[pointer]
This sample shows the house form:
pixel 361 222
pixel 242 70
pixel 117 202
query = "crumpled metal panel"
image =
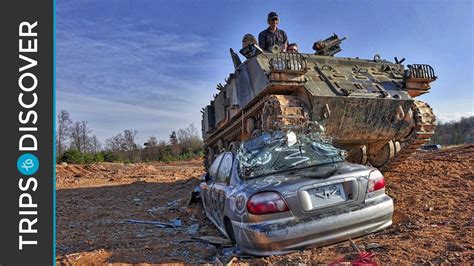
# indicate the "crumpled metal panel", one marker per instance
pixel 279 151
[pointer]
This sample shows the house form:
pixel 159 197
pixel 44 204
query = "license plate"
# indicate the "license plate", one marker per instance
pixel 327 195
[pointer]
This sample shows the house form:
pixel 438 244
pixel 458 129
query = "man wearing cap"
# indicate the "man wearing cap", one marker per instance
pixel 272 35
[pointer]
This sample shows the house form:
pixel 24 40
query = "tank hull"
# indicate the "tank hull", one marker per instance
pixel 365 106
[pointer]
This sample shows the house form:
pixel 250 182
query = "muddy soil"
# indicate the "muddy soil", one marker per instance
pixel 433 220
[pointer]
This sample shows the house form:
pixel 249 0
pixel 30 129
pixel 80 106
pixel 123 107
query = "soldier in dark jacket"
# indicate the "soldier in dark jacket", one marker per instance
pixel 272 35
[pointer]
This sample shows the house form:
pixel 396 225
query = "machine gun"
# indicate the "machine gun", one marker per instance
pixel 329 46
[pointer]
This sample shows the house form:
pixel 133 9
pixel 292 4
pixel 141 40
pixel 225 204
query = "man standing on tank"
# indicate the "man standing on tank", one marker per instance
pixel 273 35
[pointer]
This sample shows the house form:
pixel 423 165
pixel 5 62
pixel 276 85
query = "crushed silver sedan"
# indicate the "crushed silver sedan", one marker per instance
pixel 281 192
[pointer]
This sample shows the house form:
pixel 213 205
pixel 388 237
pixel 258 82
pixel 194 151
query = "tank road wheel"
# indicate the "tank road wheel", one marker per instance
pixel 250 125
pixel 283 110
pixel 381 156
pixel 424 123
pixel 397 145
pixel 255 133
pixel 358 155
pixel 270 114
pixel 220 145
pixel 233 146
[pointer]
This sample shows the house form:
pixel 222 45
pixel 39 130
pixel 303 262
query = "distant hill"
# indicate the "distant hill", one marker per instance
pixel 454 133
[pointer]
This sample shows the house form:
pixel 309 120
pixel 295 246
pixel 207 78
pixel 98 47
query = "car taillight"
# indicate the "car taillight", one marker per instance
pixel 265 203
pixel 376 181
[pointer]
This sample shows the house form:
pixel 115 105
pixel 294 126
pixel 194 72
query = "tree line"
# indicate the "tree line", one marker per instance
pixel 75 143
pixel 454 133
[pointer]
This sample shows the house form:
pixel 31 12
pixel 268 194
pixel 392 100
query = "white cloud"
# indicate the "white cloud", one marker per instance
pixel 122 74
pixel 107 118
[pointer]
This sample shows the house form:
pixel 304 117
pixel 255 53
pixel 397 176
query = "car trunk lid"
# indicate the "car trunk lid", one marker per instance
pixel 319 189
pixel 346 186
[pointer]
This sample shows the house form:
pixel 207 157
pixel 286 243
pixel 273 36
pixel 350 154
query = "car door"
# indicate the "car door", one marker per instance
pixel 206 187
pixel 220 187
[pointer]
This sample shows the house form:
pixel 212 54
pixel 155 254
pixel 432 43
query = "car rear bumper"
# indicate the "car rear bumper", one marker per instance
pixel 290 234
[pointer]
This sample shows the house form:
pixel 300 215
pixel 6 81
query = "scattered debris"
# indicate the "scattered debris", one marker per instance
pixel 195 195
pixel 174 203
pixel 177 222
pixel 193 229
pixel 225 261
pixel 364 258
pixel 374 246
pixel 158 210
pixel 227 256
pixel 174 224
pixel 214 240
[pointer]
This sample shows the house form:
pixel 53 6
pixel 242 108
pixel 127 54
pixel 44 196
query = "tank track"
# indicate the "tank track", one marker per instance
pixel 424 128
pixel 281 111
pixel 235 126
pixel 289 111
pixel 231 131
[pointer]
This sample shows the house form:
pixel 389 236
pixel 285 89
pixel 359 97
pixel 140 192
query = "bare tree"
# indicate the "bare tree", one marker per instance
pixel 162 143
pixel 124 145
pixel 152 142
pixel 63 131
pixel 151 148
pixel 80 138
pixel 454 132
pixel 129 139
pixel 96 146
pixel 85 137
pixel 175 148
pixel 189 138
pixel 130 146
pixel 173 138
pixel 115 143
pixel 75 136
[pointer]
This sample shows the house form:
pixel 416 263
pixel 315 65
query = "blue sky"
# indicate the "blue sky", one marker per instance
pixel 152 65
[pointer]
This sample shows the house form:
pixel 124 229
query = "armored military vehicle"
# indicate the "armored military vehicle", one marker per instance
pixel 366 107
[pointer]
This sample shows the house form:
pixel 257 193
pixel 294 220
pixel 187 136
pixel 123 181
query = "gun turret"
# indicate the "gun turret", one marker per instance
pixel 329 46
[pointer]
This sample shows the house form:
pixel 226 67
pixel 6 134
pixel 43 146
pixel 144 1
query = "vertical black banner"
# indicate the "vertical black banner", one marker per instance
pixel 26 100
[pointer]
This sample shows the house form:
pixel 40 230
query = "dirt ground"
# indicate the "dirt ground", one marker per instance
pixel 433 220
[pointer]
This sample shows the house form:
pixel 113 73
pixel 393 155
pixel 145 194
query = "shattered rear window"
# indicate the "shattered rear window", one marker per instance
pixel 281 151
